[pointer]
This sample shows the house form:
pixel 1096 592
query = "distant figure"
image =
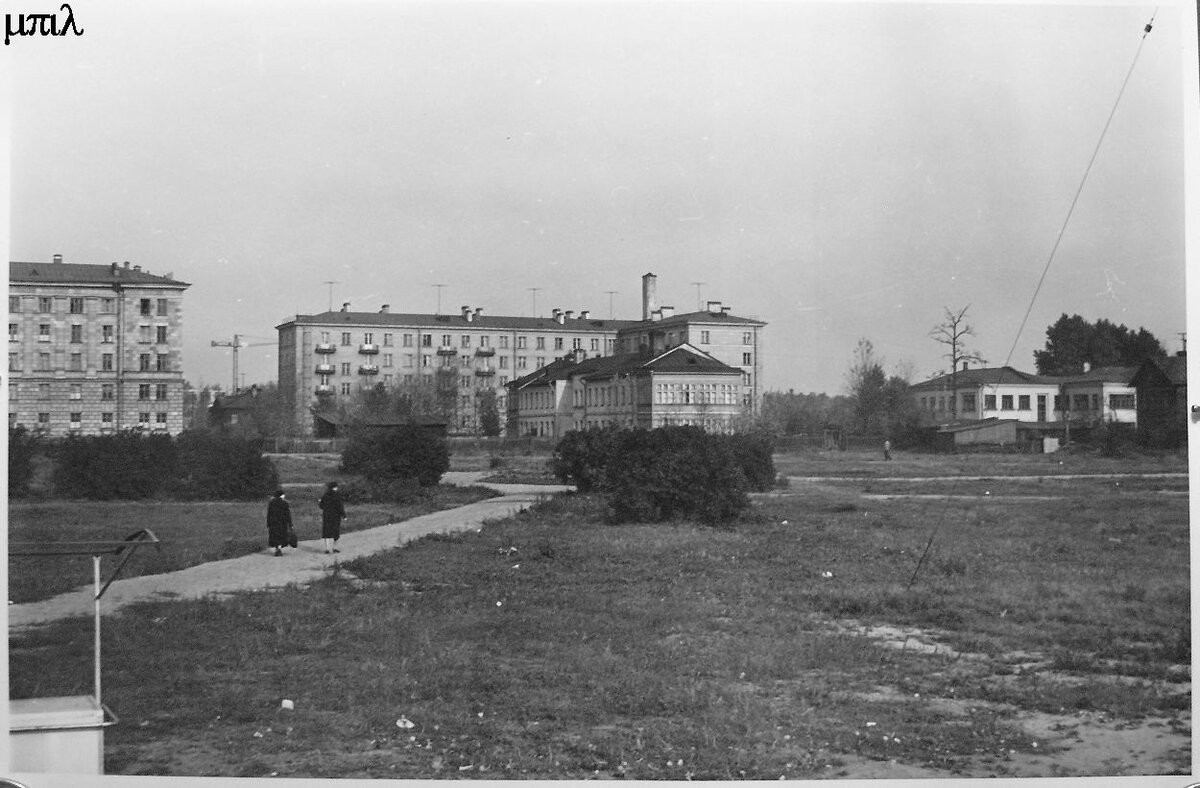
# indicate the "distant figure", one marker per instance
pixel 279 522
pixel 333 511
pixel 887 450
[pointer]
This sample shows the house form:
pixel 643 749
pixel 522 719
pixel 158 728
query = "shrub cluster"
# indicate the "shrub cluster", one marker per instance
pixel 382 491
pixel 23 446
pixel 405 452
pixel 669 472
pixel 197 465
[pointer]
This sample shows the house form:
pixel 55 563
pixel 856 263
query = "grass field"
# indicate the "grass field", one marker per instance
pixel 551 645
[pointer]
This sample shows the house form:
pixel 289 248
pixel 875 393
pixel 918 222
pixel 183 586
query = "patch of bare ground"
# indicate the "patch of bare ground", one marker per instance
pixel 1059 744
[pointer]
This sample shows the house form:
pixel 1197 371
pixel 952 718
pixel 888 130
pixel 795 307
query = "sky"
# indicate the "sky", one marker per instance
pixel 841 171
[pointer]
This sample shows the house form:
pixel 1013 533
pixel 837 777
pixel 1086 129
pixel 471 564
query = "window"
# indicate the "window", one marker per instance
pixel 76 420
pixel 595 344
pixel 346 368
pixel 45 304
pixel 1006 402
pixel 968 403
pixel 144 334
pixel 1095 402
pixel 465 383
pixel 160 335
pixel 13 390
pixel 577 344
pixel 704 340
pixel 466 340
pixel 144 362
pixel 106 335
pixel 143 391
pixel 368 338
pixel 107 391
pixel 345 388
pixel 426 359
pixel 521 362
pixel 106 362
pixel 162 307
pixel 345 338
pixel 14 303
pixel 408 340
pixel 43 420
pixel 541 343
pixel 504 343
pixel 747 359
pixel 447 361
pixel 108 306
pixel 14 332
pixel 1121 401
pixel 145 306
pixel 1079 402
pixel 387 359
pixel 160 420
pixel 408 360
pixel 43 332
pixel 748 338
pixel 75 305
pixel 76 334
pixel 76 362
pixel 160 391
pixel 466 361
pixel 427 340
pixel 43 391
pixel 445 340
pixel 504 362
pixel 387 340
pixel 162 362
pixel 484 341
pixel 520 343
pixel 43 362
pixel 541 362
pixel 144 419
pixel 106 420
pixel 989 402
pixel 1023 402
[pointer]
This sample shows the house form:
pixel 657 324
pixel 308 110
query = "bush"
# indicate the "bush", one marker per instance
pixel 752 451
pixel 659 474
pixel 221 466
pixel 23 446
pixel 127 465
pixel 382 491
pixel 406 452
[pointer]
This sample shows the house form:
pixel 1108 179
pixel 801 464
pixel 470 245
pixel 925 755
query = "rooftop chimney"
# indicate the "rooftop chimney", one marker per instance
pixel 570 313
pixel 714 306
pixel 58 258
pixel 964 369
pixel 478 311
pixel 656 315
pixel 127 264
pixel 725 310
pixel 584 314
pixel 346 306
pixel 115 270
pixel 666 311
pixel 137 268
pixel 1087 367
pixel 558 315
pixel 649 288
pixel 383 310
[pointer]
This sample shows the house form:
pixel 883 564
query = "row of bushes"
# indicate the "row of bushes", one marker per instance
pixel 668 472
pixel 396 454
pixel 196 465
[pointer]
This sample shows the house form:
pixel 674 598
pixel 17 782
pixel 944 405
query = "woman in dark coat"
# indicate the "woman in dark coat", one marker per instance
pixel 279 522
pixel 333 511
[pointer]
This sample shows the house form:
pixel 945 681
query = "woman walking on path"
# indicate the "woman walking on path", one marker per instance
pixel 333 511
pixel 279 522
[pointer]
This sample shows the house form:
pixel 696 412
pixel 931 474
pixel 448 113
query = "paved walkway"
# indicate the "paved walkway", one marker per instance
pixel 307 563
pixel 998 477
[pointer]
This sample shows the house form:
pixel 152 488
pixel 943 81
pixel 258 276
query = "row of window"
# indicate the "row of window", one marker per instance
pixel 696 394
pixel 106 421
pixel 466 382
pixel 77 305
pixel 147 334
pixel 108 391
pixel 427 360
pixel 465 341
pixel 147 362
pixel 1078 402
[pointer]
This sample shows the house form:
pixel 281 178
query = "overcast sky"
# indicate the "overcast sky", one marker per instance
pixel 837 170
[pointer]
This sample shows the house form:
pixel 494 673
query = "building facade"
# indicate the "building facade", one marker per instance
pixel 1162 409
pixel 735 341
pixel 679 386
pixel 94 349
pixel 328 358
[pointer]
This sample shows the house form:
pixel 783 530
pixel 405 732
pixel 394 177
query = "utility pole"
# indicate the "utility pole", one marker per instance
pixel 534 291
pixel 610 307
pixel 439 298
pixel 235 344
pixel 699 303
pixel 1183 339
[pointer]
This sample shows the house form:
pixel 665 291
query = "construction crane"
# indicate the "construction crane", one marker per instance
pixel 236 343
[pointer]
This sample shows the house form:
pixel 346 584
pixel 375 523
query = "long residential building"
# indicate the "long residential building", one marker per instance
pixel 94 349
pixel 326 358
pixel 679 386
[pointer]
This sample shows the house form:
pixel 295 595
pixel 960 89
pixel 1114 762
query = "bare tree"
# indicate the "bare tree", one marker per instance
pixel 952 334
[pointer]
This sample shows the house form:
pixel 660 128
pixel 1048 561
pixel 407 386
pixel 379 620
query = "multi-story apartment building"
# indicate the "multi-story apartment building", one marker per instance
pixel 735 341
pixel 328 357
pixel 679 386
pixel 93 349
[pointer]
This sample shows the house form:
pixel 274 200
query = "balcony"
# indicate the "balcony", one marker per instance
pixel 368 369
pixel 324 391
pixel 485 372
pixel 368 349
pixel 326 369
pixel 326 347
pixel 485 351
pixel 447 350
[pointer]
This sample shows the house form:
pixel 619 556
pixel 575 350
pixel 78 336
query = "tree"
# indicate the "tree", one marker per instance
pixel 1072 342
pixel 865 382
pixel 952 334
pixel 489 413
